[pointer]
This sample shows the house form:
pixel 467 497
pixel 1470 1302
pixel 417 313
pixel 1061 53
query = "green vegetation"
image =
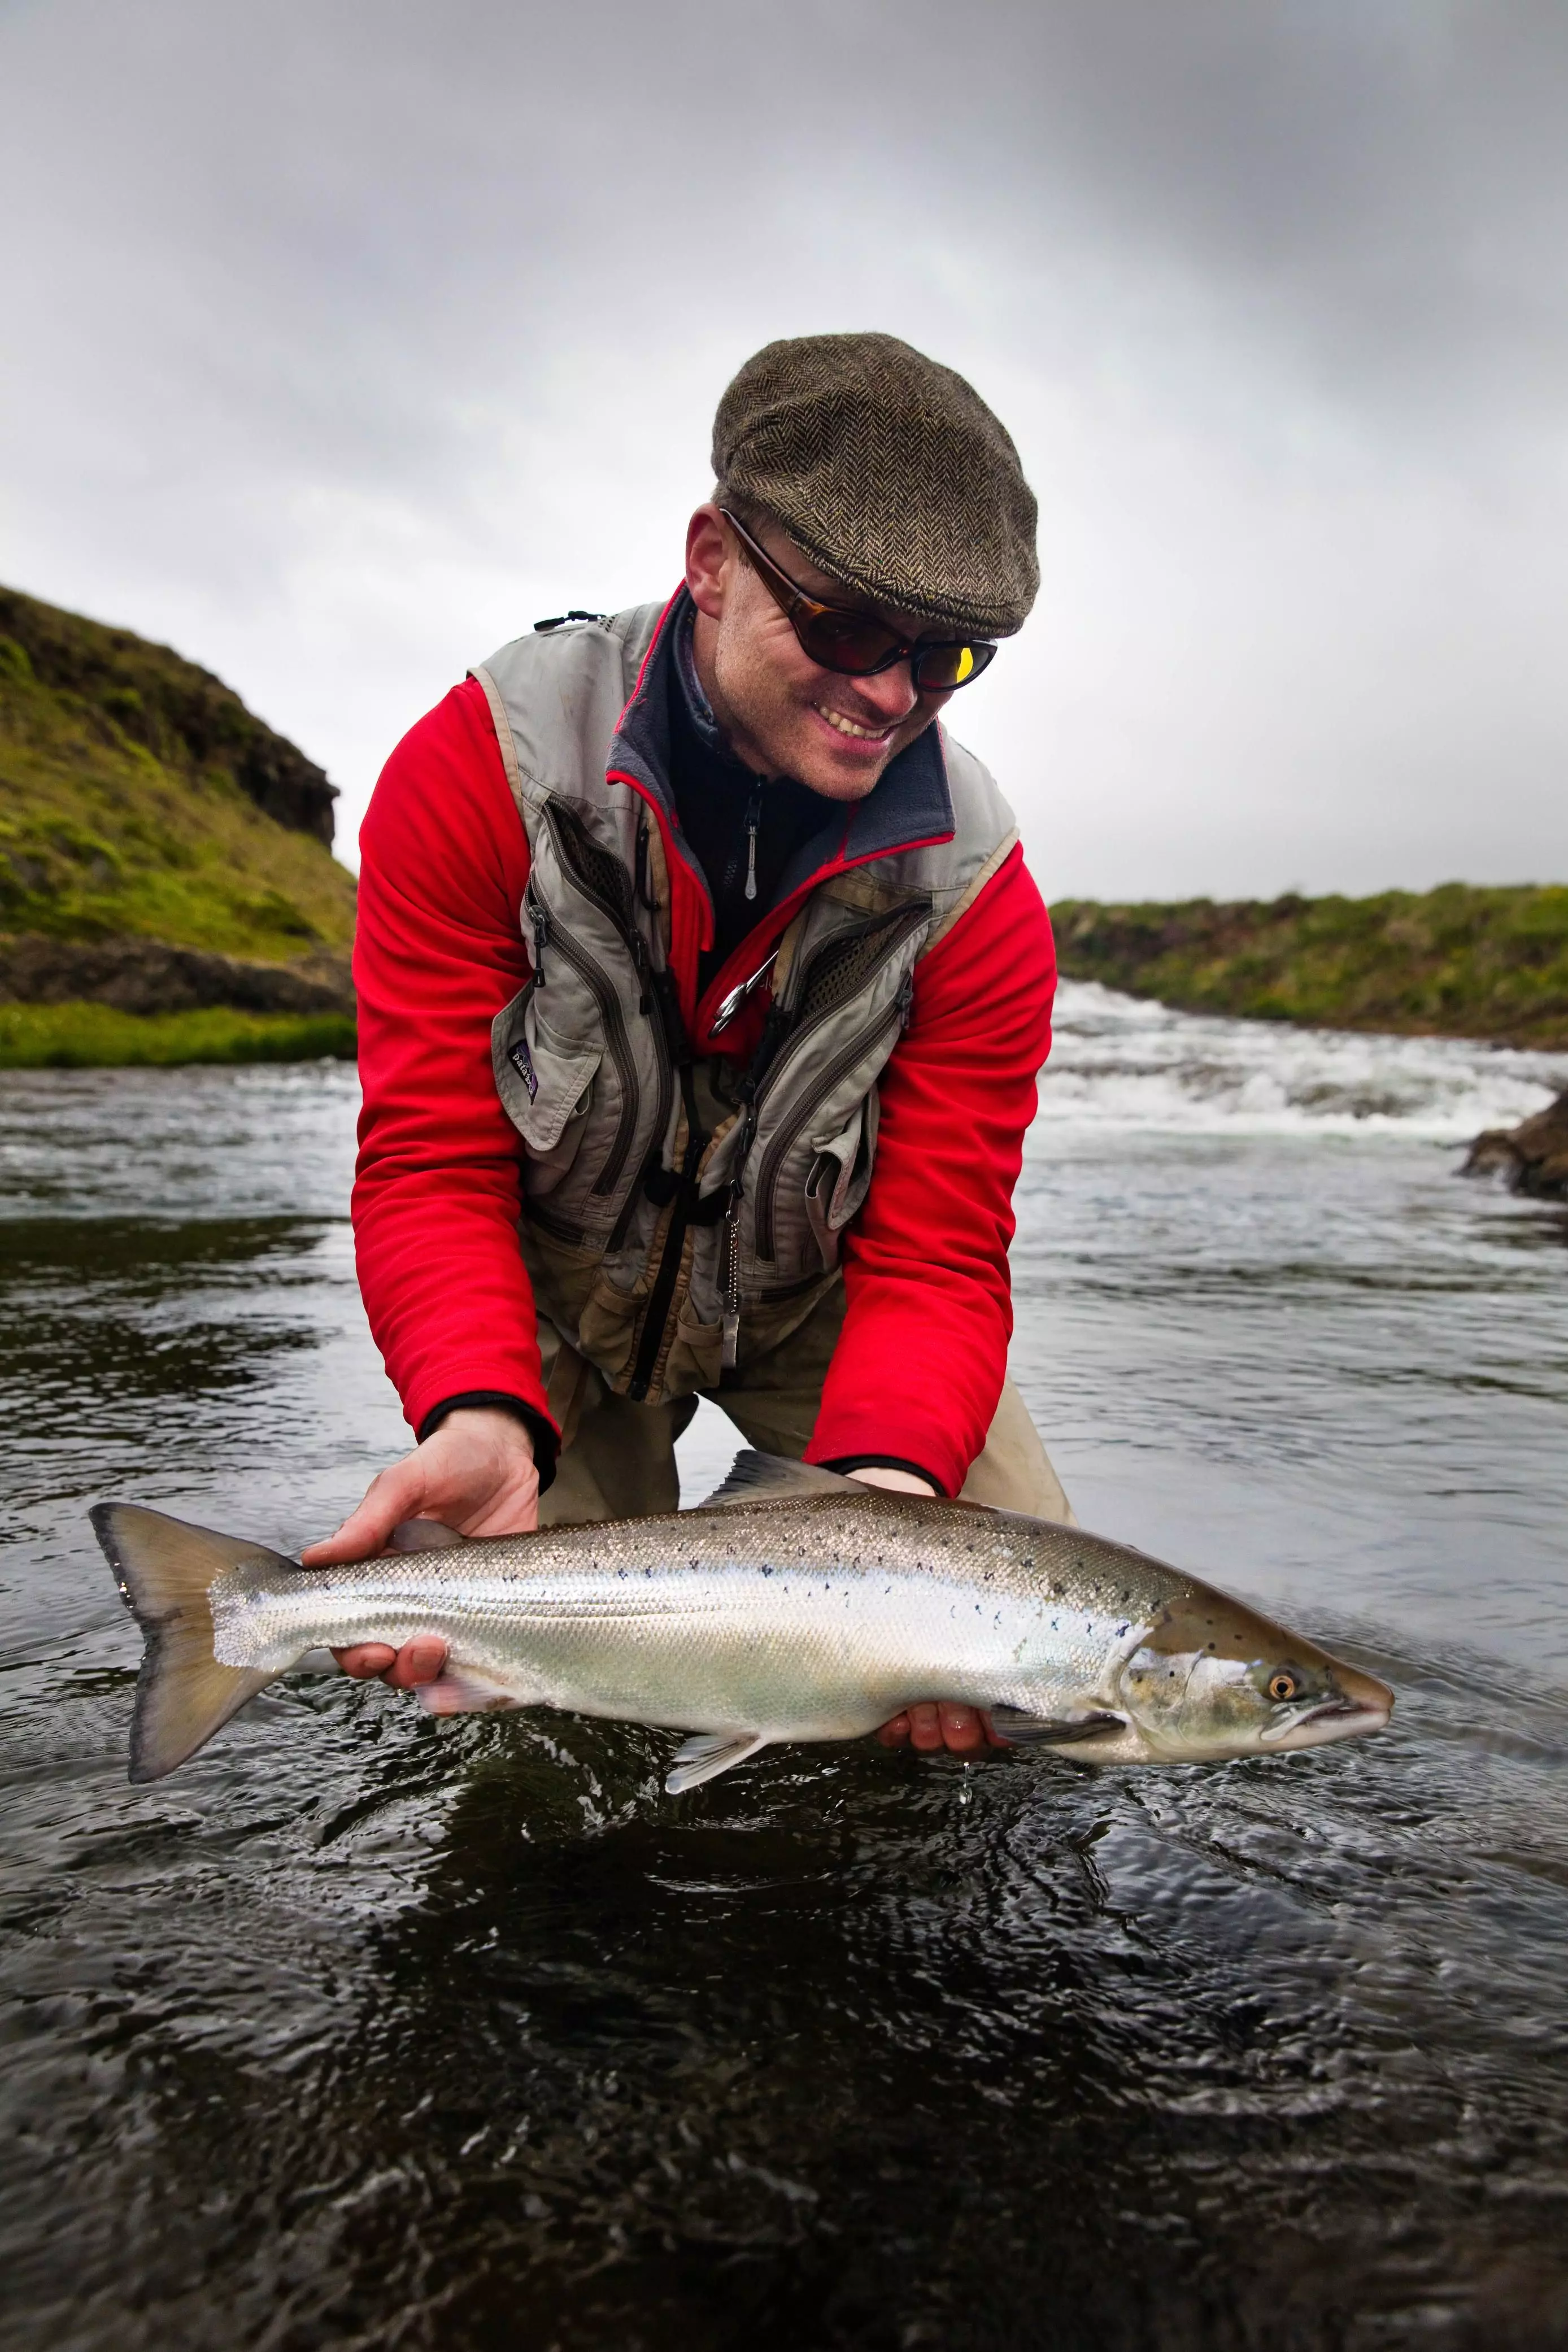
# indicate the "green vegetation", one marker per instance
pixel 95 1037
pixel 1456 961
pixel 138 796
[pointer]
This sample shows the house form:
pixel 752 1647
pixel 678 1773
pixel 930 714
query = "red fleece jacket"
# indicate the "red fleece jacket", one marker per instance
pixel 920 1365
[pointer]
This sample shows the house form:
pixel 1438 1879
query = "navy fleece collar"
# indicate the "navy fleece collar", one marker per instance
pixel 908 804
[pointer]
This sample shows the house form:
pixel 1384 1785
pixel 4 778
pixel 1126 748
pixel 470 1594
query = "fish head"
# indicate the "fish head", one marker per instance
pixel 1212 1678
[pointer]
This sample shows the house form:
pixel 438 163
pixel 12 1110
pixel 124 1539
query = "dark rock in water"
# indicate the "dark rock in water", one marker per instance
pixel 1534 1155
pixel 137 975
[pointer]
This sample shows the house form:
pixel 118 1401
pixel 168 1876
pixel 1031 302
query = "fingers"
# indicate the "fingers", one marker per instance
pixel 393 1495
pixel 938 1724
pixel 960 1729
pixel 419 1661
pixel 365 1659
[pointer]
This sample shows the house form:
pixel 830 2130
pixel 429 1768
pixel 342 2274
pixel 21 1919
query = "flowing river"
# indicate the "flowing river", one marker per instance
pixel 370 2030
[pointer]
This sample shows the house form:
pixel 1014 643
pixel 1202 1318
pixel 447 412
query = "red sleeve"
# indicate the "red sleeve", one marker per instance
pixel 438 952
pixel 919 1368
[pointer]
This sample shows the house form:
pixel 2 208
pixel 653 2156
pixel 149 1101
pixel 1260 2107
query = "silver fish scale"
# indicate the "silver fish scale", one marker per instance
pixel 815 1618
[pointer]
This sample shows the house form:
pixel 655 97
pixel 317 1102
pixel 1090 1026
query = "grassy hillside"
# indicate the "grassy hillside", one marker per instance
pixel 1456 961
pixel 138 796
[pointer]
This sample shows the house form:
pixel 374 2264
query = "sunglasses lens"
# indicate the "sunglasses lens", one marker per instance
pixel 940 669
pixel 845 643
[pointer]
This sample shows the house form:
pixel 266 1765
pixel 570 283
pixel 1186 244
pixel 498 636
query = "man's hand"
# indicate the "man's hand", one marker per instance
pixel 476 1473
pixel 936 1723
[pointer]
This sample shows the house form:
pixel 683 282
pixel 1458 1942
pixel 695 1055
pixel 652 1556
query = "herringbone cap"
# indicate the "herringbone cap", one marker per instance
pixel 890 472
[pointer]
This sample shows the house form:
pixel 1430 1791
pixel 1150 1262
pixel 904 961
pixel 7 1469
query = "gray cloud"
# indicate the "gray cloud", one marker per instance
pixel 345 339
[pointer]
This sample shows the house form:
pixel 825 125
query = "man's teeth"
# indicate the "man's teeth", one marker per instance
pixel 848 726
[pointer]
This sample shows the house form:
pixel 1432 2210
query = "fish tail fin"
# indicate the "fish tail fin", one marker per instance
pixel 164 1570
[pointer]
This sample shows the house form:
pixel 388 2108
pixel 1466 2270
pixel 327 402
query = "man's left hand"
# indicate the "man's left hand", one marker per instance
pixel 935 1724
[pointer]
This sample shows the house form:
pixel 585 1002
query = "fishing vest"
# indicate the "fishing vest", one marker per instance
pixel 682 1217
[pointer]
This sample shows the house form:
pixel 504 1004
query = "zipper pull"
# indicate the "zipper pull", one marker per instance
pixel 753 819
pixel 539 922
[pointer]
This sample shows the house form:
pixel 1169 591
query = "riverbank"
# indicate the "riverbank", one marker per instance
pixel 1459 962
pixel 167 888
pixel 84 1036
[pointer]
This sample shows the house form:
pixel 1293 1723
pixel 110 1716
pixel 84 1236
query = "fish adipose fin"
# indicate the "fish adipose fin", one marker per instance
pixel 708 1753
pixel 1028 1730
pixel 770 1479
pixel 163 1569
pixel 423 1534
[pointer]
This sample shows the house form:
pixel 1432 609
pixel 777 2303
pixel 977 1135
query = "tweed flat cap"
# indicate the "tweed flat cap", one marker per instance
pixel 890 472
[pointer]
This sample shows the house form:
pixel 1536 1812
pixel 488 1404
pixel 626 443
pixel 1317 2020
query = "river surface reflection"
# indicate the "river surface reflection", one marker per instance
pixel 367 2030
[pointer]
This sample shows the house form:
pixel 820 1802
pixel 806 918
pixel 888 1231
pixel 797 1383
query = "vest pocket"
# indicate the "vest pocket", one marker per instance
pixel 545 1081
pixel 839 1178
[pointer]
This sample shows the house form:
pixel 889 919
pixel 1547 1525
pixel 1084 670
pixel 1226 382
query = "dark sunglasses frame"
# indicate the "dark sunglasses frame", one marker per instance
pixel 806 614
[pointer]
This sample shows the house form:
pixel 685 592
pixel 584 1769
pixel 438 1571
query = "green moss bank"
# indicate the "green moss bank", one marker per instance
pixel 95 1037
pixel 1456 961
pixel 139 797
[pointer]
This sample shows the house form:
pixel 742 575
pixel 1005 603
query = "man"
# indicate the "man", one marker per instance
pixel 702 995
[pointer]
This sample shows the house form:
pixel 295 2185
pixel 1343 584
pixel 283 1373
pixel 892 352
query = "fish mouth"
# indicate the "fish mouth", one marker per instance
pixel 1344 1717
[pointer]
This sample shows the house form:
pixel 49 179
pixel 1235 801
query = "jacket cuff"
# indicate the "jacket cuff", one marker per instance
pixel 844 1463
pixel 546 1443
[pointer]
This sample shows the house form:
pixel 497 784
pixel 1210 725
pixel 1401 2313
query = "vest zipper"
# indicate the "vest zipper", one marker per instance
pixel 599 985
pixel 753 819
pixel 637 946
pixel 759 1084
pixel 780 1145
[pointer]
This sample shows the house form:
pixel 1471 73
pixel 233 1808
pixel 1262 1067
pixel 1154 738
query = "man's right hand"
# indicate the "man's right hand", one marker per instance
pixel 476 1473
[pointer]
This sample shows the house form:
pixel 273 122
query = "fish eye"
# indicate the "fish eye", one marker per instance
pixel 1284 1686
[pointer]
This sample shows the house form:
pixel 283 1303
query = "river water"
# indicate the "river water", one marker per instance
pixel 366 2029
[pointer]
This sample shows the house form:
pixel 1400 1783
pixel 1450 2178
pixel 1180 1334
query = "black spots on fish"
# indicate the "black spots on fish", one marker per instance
pixel 1126 1597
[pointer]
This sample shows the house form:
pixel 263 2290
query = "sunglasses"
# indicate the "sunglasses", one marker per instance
pixel 856 645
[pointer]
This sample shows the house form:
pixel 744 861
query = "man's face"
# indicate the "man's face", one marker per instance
pixel 782 712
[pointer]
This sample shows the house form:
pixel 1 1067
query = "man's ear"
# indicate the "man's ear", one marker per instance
pixel 708 557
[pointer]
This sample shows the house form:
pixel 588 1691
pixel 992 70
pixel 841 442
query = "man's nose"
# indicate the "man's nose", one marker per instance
pixel 889 695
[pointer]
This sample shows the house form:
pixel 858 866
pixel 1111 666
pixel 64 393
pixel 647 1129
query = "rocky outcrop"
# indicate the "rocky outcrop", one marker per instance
pixel 179 712
pixel 1533 1156
pixel 137 975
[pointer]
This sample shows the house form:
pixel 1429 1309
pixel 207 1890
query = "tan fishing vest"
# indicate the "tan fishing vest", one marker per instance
pixel 674 1231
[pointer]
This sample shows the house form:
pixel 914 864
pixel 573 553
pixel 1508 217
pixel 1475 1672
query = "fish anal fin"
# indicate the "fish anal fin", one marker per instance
pixel 460 1690
pixel 772 1479
pixel 1040 1730
pixel 707 1754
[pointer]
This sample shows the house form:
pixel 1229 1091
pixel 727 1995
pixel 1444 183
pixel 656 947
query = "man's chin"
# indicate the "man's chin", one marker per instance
pixel 846 774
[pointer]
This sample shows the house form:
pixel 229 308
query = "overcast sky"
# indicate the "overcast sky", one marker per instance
pixel 342 341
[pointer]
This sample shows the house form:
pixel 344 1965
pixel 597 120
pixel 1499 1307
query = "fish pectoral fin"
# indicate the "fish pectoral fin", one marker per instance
pixel 423 1534
pixel 458 1691
pixel 1031 1731
pixel 707 1754
pixel 772 1479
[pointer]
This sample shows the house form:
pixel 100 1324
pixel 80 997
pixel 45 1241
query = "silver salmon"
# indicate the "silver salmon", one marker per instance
pixel 791 1605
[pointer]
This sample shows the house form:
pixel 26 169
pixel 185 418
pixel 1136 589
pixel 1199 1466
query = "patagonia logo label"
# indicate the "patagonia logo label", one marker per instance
pixel 523 1063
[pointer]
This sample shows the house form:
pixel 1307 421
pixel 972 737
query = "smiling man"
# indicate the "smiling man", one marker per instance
pixel 702 995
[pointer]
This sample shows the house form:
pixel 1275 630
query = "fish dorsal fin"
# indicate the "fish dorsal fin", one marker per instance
pixel 423 1534
pixel 770 1478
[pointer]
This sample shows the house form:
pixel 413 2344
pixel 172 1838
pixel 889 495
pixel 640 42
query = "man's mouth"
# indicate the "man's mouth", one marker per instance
pixel 835 719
